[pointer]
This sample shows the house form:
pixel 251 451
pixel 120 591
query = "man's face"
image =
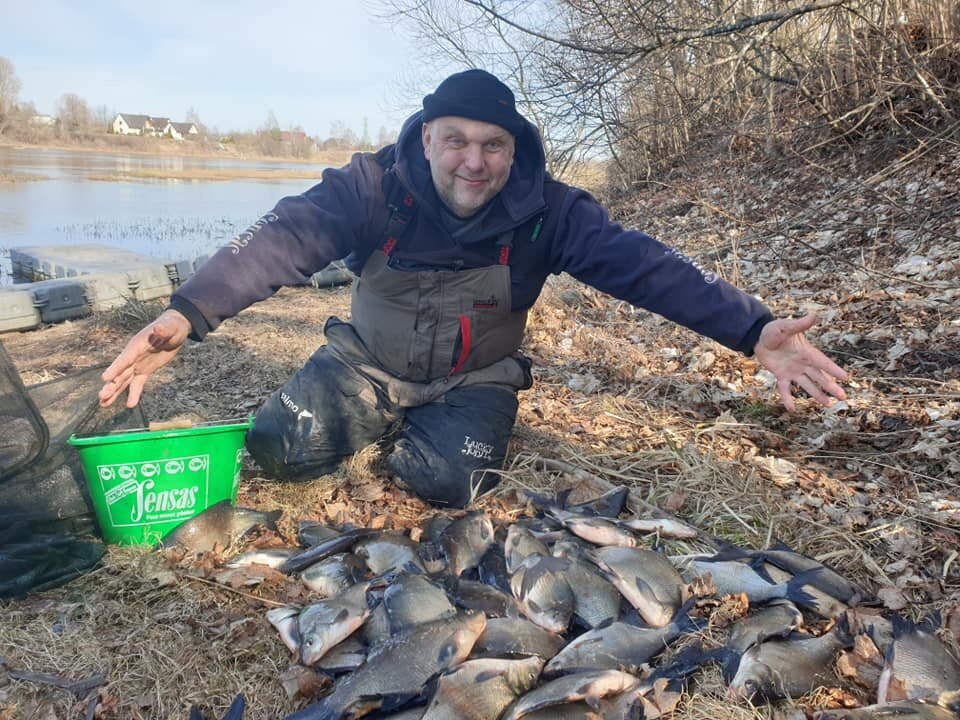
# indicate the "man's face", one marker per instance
pixel 469 161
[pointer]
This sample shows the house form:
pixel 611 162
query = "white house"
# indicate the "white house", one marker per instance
pixel 130 124
pixel 181 130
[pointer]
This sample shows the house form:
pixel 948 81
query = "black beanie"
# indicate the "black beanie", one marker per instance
pixel 477 95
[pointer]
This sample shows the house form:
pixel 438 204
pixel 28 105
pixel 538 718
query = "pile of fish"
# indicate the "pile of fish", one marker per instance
pixel 573 614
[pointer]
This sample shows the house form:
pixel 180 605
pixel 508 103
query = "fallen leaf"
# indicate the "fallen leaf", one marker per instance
pixel 892 598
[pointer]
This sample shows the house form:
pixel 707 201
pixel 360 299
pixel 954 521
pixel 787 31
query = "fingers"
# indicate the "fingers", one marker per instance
pixel 136 390
pixel 114 387
pixel 786 395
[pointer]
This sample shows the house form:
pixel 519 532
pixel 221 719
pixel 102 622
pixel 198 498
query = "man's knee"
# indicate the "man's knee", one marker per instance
pixel 451 451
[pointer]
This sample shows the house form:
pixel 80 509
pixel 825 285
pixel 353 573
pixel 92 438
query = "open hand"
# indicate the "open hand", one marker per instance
pixel 785 351
pixel 147 351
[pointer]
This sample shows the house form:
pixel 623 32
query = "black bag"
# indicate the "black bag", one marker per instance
pixel 48 531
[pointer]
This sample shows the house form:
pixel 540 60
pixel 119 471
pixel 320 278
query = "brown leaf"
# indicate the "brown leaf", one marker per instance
pixel 299 681
pixel 951 620
pixel 378 522
pixel 675 500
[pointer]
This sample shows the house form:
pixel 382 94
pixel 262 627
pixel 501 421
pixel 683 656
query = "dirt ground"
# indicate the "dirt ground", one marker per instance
pixel 870 486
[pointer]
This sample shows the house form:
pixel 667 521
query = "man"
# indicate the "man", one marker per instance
pixel 453 231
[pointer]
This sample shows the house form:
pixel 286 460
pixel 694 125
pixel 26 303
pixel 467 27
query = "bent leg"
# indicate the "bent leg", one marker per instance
pixel 445 446
pixel 326 412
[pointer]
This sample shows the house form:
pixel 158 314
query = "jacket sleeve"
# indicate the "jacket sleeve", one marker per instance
pixel 300 236
pixel 640 270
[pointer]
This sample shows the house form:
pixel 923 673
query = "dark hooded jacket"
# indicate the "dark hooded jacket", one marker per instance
pixel 345 216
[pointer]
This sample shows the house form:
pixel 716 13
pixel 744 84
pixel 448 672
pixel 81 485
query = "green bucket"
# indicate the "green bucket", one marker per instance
pixel 144 484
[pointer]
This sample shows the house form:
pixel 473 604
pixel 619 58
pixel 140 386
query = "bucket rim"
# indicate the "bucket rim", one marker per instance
pixel 143 434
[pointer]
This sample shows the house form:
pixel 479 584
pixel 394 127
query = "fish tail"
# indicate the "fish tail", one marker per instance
pixel 682 620
pixel 318 711
pixel 729 662
pixel 797 594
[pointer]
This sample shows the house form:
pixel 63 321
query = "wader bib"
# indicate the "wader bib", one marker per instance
pixel 434 348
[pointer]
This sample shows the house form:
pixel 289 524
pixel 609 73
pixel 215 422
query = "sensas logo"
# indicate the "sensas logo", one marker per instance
pixel 148 501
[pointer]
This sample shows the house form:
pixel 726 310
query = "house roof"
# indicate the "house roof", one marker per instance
pixel 158 122
pixel 183 127
pixel 134 121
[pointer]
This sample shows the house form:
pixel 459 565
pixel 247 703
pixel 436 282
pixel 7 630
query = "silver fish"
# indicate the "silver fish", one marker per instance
pixel 398 668
pixel 814 599
pixel 482 689
pixel 516 637
pixel 586 686
pixel 778 619
pixel 828 580
pixel 311 533
pixel 324 624
pixel 595 600
pixel 788 668
pixel 917 664
pixel 732 577
pixel 284 619
pixel 597 530
pixel 412 599
pixel 377 627
pixel 325 549
pixel 903 710
pixel 645 578
pixel 334 574
pixel 472 595
pixel 618 646
pixel 465 541
pixel 664 527
pixel 219 524
pixel 389 552
pixel 520 543
pixel 271 557
pixel 542 590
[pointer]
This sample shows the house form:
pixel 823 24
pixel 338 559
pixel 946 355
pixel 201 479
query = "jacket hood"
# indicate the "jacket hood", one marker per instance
pixel 522 196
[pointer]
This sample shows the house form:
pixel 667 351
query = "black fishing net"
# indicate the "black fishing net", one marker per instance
pixel 48 532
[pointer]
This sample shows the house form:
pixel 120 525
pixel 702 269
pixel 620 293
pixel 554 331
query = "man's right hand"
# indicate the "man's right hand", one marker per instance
pixel 147 351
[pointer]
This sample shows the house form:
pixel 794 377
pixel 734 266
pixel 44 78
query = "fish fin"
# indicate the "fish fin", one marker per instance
pixel 729 662
pixel 780 545
pixel 563 497
pixel 542 502
pixel 195 713
pixel 235 711
pixel 270 521
pixel 795 591
pixel 759 565
pixel 730 552
pixel 901 626
pixel 390 702
pixel 842 630
pixel 683 621
pixel 932 622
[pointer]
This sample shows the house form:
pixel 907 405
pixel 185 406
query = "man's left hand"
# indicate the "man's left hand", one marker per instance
pixel 783 350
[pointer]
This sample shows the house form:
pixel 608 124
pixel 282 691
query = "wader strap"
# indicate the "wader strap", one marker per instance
pixel 504 244
pixel 402 208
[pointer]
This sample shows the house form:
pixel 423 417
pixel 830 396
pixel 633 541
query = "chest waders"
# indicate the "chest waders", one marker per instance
pixel 434 349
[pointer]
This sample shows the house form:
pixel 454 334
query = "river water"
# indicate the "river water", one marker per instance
pixel 168 219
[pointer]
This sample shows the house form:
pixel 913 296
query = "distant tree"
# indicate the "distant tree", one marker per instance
pixel 341 137
pixel 103 117
pixel 385 137
pixel 193 116
pixel 9 91
pixel 365 138
pixel 268 136
pixel 74 114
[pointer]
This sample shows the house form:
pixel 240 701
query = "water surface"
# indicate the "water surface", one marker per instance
pixel 168 219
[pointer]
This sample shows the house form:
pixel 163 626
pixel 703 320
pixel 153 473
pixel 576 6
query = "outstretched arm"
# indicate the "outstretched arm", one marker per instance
pixel 785 351
pixel 147 351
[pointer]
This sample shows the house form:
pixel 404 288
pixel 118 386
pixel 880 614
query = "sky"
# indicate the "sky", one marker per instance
pixel 311 63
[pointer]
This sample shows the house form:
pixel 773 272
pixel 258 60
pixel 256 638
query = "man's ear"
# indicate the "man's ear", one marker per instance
pixel 425 138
